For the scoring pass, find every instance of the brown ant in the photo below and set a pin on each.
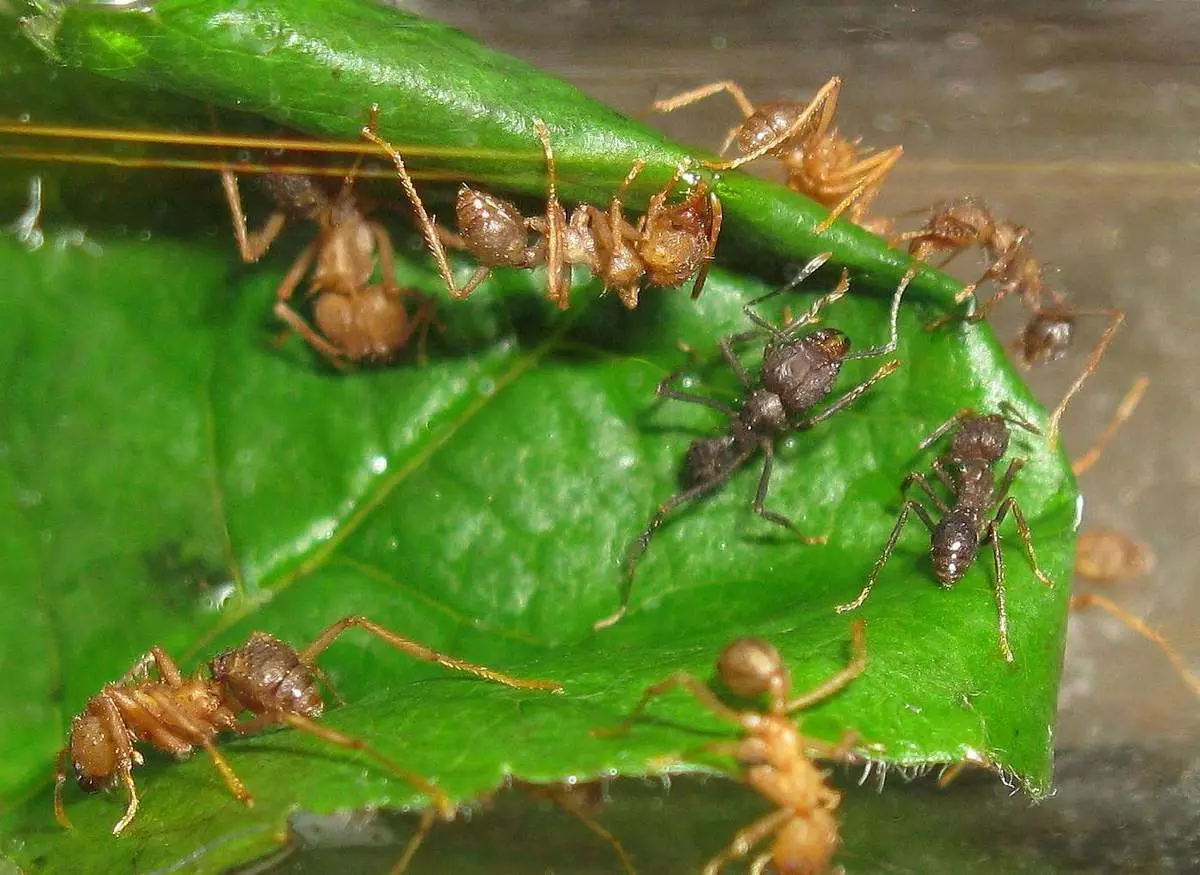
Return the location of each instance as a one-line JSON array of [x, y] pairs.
[[357, 320], [774, 757], [955, 226], [797, 373], [819, 161], [979, 442], [670, 243], [266, 677]]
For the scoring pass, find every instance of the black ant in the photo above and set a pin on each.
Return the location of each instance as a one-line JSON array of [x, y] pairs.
[[266, 677], [819, 161], [670, 243], [775, 759], [797, 373], [954, 227], [979, 442], [357, 320]]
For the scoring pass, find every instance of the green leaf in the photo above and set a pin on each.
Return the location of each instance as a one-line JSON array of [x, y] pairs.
[[176, 478]]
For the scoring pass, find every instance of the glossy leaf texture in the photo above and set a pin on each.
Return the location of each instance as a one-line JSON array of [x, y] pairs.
[[318, 67], [177, 477]]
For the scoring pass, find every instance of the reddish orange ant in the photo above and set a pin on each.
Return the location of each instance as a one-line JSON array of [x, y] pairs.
[[671, 242], [266, 677], [772, 754], [819, 161], [357, 320], [954, 227]]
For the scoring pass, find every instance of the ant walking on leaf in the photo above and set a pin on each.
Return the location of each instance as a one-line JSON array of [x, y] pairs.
[[357, 320], [954, 227], [798, 372], [265, 677], [978, 444], [819, 161], [774, 758], [668, 244]]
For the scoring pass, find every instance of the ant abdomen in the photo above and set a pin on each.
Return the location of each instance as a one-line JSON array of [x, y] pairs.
[[806, 846], [299, 196], [706, 460], [371, 327], [267, 675], [1047, 337], [767, 125], [748, 666], [493, 229], [953, 546]]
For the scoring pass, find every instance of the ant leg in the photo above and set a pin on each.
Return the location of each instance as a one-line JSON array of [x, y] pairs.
[[410, 849], [330, 352], [232, 781], [824, 102], [564, 801], [716, 217], [1116, 317], [1006, 481], [426, 223], [746, 838], [132, 808], [664, 390], [386, 256], [850, 396], [919, 479], [557, 289], [1138, 625], [893, 315], [60, 778], [739, 370], [829, 686], [871, 172], [417, 651], [909, 505], [304, 724], [254, 246], [760, 496], [1022, 530], [1124, 411], [690, 684], [1001, 600], [814, 264], [638, 548], [126, 756], [687, 98], [837, 751]]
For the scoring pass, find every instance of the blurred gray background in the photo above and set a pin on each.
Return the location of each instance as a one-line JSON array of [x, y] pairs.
[[1081, 120]]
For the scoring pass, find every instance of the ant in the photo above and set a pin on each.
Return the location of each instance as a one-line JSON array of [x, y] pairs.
[[797, 372], [955, 226], [979, 442], [775, 759], [357, 320], [670, 243], [274, 682], [819, 161]]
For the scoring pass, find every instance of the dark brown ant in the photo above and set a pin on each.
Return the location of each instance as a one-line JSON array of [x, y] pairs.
[[774, 758], [357, 320], [266, 677], [954, 227], [797, 373], [819, 161], [671, 242], [979, 442]]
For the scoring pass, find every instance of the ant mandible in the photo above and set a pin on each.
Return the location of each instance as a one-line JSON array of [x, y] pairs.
[[357, 320], [979, 442], [797, 373], [819, 161], [266, 677], [671, 242], [775, 759], [955, 226]]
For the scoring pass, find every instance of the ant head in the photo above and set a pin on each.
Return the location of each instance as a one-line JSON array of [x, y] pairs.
[[834, 343], [750, 667], [1047, 337], [952, 548], [981, 438], [93, 752]]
